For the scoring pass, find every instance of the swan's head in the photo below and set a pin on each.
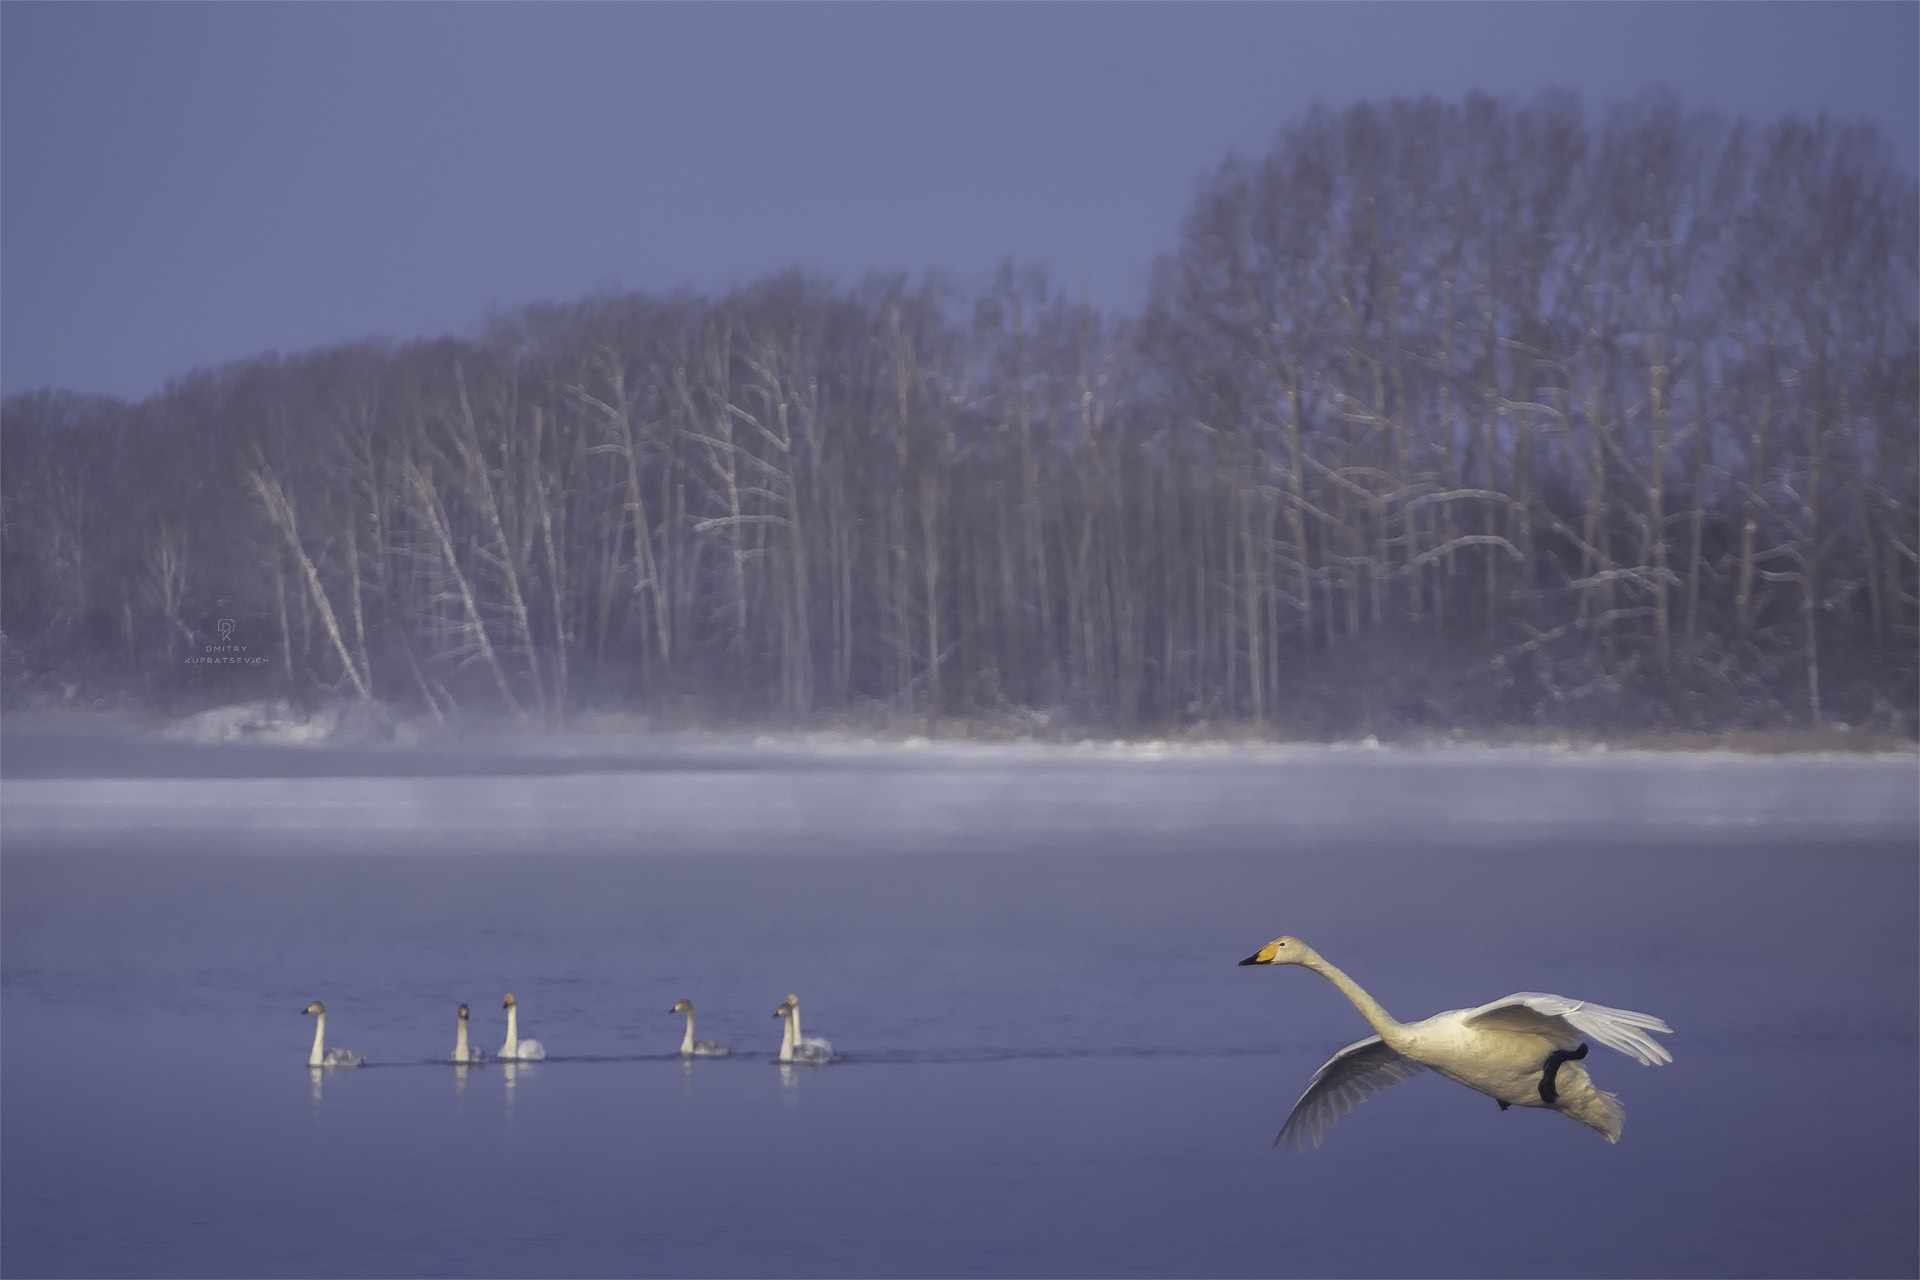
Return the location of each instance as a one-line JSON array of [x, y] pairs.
[[681, 1006], [463, 1013], [785, 1010], [315, 1007], [1282, 950], [508, 1002]]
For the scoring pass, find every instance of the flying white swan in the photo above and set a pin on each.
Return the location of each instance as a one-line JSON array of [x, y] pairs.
[[691, 1048], [321, 1055], [515, 1047], [795, 1047], [1523, 1051], [463, 1054]]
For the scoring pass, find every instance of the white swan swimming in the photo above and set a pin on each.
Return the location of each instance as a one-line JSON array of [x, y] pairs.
[[691, 1048], [321, 1055], [1523, 1051], [795, 1046], [464, 1055], [515, 1047]]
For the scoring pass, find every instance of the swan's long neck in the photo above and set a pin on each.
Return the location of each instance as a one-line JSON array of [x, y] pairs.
[[787, 1039], [513, 1029], [794, 1017], [1378, 1018], [460, 1042], [319, 1055], [686, 1041]]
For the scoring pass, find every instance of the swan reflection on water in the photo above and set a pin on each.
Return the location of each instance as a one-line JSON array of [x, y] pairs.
[[513, 1072]]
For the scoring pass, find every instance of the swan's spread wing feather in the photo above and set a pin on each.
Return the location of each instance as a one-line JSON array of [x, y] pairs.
[[1621, 1030], [1349, 1078]]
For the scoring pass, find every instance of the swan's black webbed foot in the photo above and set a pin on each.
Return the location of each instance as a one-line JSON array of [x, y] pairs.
[[1503, 1105], [1549, 1092]]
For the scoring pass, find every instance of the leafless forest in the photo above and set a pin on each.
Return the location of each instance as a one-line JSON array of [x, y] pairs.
[[1439, 415]]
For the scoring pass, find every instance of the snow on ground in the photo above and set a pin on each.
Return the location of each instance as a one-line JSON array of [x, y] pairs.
[[275, 723]]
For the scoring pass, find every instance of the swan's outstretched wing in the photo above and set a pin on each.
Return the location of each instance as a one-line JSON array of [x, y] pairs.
[[1622, 1030], [1349, 1078]]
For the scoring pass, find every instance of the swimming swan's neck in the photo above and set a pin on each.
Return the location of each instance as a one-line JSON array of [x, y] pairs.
[[686, 1041], [787, 1038], [1378, 1018], [318, 1058], [460, 1053], [513, 1031]]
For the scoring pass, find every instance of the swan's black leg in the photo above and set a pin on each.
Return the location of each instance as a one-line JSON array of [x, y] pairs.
[[1503, 1105], [1549, 1093]]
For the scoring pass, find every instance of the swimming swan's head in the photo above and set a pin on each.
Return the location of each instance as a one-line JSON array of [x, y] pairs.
[[1283, 950], [315, 1007], [682, 1006], [508, 1002], [463, 1013]]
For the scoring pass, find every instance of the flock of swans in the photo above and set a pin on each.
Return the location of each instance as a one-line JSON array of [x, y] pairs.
[[794, 1046], [1522, 1051]]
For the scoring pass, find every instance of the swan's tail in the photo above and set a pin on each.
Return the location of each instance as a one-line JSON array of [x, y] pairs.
[[1596, 1108]]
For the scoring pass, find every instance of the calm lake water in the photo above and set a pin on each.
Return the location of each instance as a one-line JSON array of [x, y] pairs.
[[1052, 1063]]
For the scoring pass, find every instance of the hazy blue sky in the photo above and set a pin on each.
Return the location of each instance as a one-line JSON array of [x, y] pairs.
[[184, 184]]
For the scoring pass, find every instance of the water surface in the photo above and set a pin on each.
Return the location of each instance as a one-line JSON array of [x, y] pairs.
[[1052, 1064]]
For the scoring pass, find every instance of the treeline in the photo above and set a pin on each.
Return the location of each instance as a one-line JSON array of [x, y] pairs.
[[1440, 413]]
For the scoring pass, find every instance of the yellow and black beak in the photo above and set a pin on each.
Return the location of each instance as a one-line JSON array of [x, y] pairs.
[[1263, 956]]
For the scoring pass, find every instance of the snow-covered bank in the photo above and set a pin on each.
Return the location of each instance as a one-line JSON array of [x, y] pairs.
[[693, 794]]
